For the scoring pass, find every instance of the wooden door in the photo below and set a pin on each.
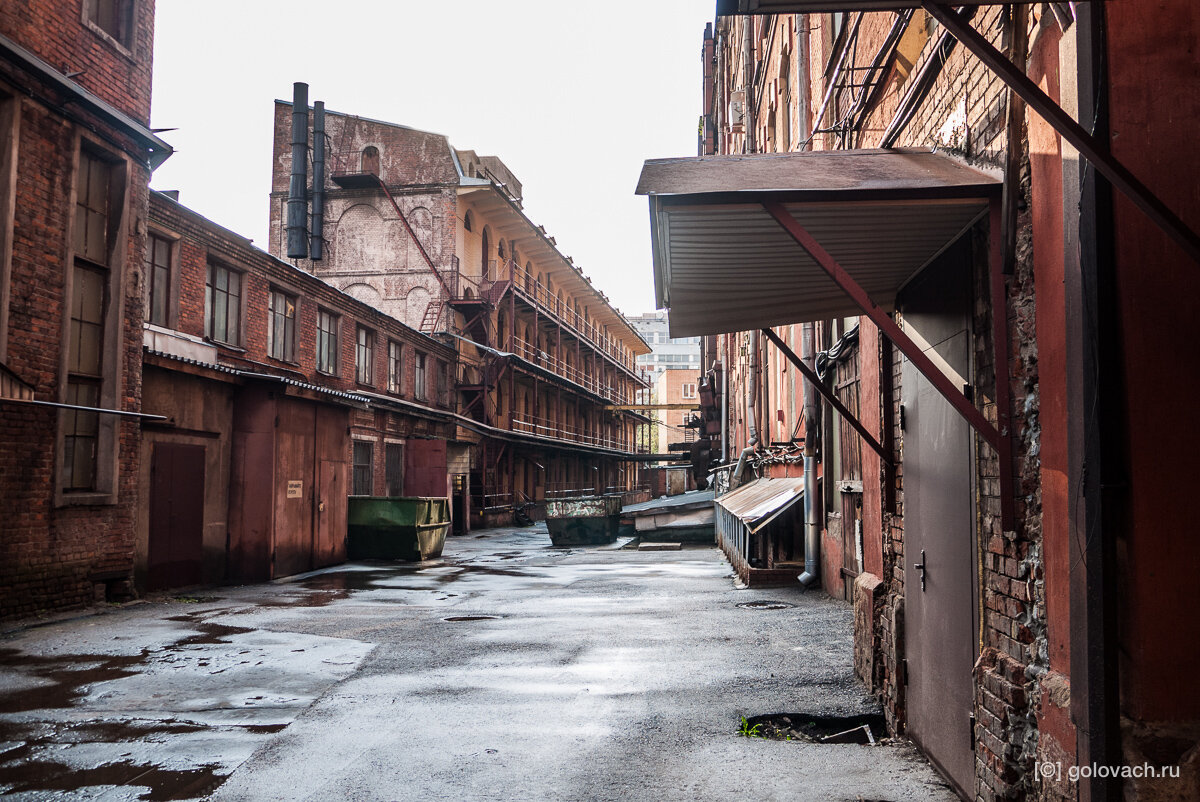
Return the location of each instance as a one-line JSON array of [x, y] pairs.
[[176, 550]]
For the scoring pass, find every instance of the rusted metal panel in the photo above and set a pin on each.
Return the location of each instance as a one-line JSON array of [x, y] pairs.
[[176, 548], [939, 528]]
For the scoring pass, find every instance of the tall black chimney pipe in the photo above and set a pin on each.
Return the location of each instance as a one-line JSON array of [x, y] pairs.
[[316, 228], [297, 205]]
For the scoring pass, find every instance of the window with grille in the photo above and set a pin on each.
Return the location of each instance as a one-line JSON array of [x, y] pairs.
[[223, 305], [327, 341], [395, 366], [363, 466], [281, 333], [158, 279], [364, 356]]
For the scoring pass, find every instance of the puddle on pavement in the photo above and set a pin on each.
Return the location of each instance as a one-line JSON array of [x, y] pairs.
[[161, 783], [765, 604], [68, 676], [865, 728]]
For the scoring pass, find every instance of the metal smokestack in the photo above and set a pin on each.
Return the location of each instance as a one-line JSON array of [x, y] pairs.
[[316, 228], [297, 205]]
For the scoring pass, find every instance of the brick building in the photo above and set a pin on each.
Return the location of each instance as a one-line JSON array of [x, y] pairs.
[[279, 397], [74, 114], [992, 316], [675, 386], [437, 238]]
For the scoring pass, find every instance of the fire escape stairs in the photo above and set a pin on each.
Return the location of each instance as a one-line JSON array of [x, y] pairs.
[[433, 314]]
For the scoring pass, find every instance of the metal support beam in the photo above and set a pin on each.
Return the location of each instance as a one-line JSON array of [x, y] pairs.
[[885, 323], [1094, 150], [829, 396], [633, 407]]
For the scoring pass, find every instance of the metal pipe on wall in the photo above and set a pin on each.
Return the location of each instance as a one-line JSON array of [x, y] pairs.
[[297, 203], [812, 523], [316, 229], [751, 405]]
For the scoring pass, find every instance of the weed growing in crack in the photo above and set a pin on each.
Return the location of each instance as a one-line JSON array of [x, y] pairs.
[[748, 730]]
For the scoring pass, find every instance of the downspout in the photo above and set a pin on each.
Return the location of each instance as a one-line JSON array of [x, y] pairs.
[[751, 405], [748, 81], [725, 404], [812, 527]]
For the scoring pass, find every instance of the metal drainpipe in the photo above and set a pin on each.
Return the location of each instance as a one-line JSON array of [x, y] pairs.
[[748, 111], [751, 404], [812, 526], [725, 404]]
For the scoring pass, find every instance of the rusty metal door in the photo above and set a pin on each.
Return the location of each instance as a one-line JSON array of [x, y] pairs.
[[295, 490], [176, 550], [939, 527], [331, 510]]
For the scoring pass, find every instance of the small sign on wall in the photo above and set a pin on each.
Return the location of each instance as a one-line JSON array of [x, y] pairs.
[[295, 488]]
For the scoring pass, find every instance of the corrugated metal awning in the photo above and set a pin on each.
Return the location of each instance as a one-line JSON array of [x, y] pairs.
[[758, 503], [722, 263]]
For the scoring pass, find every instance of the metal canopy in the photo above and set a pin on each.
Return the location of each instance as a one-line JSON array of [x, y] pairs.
[[722, 263], [758, 503]]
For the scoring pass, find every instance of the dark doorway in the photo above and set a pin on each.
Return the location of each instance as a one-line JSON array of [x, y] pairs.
[[939, 524], [176, 551]]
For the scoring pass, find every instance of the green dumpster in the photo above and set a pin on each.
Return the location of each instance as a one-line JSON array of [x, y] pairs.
[[396, 528]]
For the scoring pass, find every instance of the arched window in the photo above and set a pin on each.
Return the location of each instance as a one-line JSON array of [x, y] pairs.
[[370, 160], [468, 221], [487, 247]]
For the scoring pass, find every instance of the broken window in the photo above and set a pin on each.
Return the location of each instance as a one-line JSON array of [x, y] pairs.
[[364, 360], [364, 459], [281, 333], [158, 279], [223, 305]]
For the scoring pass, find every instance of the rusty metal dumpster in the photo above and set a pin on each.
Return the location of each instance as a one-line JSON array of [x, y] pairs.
[[396, 528], [583, 520]]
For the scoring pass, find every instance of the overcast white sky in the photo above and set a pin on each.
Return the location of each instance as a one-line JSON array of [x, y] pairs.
[[572, 96]]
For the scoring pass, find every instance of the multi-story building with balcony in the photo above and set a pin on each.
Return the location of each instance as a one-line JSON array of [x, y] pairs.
[[437, 237]]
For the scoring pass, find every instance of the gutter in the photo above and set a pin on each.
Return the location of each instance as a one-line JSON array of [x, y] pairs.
[[158, 151]]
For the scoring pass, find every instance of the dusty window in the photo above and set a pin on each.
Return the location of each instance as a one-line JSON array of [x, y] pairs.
[[364, 358], [327, 341], [395, 366], [114, 17], [158, 279], [364, 459], [419, 377], [223, 305], [84, 378], [281, 333]]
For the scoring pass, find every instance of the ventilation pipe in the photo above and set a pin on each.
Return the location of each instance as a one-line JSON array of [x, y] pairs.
[[812, 528], [316, 228], [297, 204], [751, 407]]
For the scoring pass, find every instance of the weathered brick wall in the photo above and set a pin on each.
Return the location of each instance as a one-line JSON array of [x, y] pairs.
[[54, 555], [55, 31]]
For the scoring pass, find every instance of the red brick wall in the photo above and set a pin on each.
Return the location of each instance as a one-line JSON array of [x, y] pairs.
[[55, 31], [49, 554]]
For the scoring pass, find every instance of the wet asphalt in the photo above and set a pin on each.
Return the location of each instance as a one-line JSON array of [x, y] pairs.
[[508, 670]]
